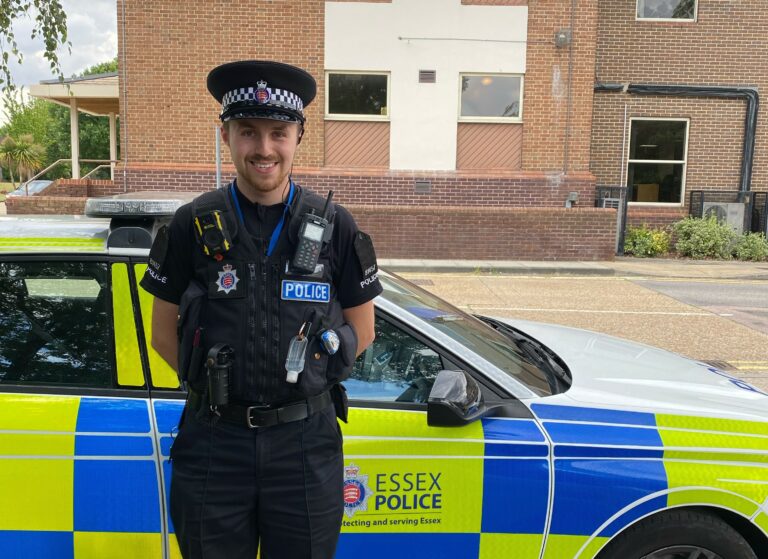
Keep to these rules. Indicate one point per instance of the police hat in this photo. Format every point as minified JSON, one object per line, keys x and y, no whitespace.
{"x":261,"y":89}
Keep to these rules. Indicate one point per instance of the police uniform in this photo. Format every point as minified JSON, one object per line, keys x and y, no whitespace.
{"x":264,"y":468}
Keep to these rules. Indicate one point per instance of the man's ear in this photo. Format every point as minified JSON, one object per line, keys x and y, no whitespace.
{"x":301,"y":134}
{"x":224,"y":131}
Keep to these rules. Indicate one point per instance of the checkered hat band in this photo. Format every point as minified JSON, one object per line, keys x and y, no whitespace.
{"x":278,"y":98}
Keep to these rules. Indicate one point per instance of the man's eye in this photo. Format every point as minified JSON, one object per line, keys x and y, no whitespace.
{"x":247,"y":133}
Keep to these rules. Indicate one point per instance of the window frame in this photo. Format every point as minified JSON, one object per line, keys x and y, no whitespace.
{"x":115,"y":390}
{"x":684,"y":162}
{"x":668,"y":19}
{"x":492,"y":119}
{"x":357,"y":117}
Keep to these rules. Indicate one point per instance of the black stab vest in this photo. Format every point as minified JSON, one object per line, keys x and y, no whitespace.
{"x":242,"y":306}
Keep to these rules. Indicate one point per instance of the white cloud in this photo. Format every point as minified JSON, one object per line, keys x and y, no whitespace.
{"x":92,"y":30}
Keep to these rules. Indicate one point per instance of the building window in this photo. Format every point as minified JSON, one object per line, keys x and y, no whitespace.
{"x":491,"y":97}
{"x":667,"y":9}
{"x":357,"y":95}
{"x":657,"y":154}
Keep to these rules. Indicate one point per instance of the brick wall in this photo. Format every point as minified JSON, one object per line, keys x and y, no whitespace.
{"x":62,"y":205}
{"x":715,"y":137}
{"x":489,"y":233}
{"x":167,"y":50}
{"x":397,"y":188}
{"x":546,"y":92}
{"x":725,"y":46}
{"x":661,"y":218}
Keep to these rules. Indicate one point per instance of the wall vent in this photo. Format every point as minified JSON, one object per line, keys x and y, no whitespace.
{"x":423,"y":186}
{"x":427,"y":76}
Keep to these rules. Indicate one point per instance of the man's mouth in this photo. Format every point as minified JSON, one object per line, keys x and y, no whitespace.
{"x":263,"y":165}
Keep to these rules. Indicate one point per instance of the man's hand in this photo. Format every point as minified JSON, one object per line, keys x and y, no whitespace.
{"x":164,"y":318}
{"x":361,"y":318}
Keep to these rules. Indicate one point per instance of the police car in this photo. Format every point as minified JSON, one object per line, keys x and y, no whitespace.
{"x":468,"y":436}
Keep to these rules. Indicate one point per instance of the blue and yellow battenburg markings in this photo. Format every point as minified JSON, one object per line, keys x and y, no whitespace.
{"x":417,"y":491}
{"x":650,"y":462}
{"x":78,"y":478}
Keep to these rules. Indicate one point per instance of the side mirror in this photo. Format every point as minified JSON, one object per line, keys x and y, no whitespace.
{"x":455,"y":400}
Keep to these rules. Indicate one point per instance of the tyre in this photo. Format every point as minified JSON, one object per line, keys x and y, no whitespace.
{"x":683,"y":534}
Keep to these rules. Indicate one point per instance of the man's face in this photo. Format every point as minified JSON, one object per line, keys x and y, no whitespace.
{"x":262,"y":151}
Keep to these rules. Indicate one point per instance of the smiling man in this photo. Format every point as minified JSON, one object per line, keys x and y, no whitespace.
{"x":263,"y":299}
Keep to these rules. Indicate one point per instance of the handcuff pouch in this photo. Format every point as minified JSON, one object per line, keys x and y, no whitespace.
{"x":340,"y":401}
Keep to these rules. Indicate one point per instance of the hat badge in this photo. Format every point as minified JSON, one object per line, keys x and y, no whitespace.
{"x":263,"y":94}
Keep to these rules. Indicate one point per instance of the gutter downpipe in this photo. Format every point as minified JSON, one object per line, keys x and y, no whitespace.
{"x":749,"y":94}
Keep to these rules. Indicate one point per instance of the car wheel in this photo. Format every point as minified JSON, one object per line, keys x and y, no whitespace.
{"x":684,"y":534}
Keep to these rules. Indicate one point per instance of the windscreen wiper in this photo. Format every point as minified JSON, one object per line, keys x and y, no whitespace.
{"x":537,"y":352}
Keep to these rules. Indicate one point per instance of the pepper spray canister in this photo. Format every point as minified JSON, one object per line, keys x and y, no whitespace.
{"x":219,"y":363}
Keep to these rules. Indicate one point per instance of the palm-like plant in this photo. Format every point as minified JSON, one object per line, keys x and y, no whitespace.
{"x":28,"y":155}
{"x":23,"y":154}
{"x":7,"y":147}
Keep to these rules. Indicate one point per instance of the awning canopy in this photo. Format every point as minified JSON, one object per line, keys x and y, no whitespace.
{"x":97,"y":95}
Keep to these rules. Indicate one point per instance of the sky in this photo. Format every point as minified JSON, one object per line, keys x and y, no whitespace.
{"x":92,"y":30}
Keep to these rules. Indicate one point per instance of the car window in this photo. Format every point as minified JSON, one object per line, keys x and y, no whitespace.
{"x":56,"y":324}
{"x":396,"y":367}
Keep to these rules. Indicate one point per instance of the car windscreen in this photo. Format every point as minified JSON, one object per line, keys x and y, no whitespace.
{"x":476,"y":336}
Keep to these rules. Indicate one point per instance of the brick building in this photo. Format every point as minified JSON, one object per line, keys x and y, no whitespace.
{"x":699,"y":141}
{"x":473,"y":130}
{"x":474,"y":124}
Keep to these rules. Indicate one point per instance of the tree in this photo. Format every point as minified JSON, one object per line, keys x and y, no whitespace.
{"x":50,"y":26}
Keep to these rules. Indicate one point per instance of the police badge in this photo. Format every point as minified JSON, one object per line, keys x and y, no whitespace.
{"x":356,"y":490}
{"x":263,"y":93}
{"x":227,"y":279}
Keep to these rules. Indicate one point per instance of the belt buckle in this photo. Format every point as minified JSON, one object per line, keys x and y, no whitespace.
{"x":249,"y":414}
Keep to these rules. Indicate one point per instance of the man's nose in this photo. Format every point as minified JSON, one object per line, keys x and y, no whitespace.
{"x":262,"y":144}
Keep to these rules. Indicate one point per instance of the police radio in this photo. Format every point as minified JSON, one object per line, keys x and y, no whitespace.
{"x":311,"y":234}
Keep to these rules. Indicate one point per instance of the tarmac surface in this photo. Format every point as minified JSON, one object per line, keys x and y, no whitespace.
{"x":622,"y":298}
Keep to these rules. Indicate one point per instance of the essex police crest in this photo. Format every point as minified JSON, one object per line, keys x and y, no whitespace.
{"x":263,"y":94}
{"x":227,"y":279}
{"x":356,"y":490}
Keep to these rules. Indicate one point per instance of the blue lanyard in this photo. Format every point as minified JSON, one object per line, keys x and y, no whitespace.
{"x":278,"y":229}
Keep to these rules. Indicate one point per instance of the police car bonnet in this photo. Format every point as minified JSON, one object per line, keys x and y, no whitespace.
{"x":261,"y":89}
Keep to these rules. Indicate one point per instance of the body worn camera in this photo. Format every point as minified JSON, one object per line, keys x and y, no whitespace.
{"x":212,"y":233}
{"x":312,"y":234}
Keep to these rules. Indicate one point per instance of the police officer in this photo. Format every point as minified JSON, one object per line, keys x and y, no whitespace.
{"x":263,"y":299}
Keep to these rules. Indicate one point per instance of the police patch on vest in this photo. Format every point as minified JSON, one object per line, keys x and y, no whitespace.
{"x":226,"y":280}
{"x":309,"y":291}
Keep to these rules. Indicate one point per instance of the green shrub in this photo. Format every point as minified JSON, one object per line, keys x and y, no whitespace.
{"x":642,"y":241}
{"x":704,"y":238}
{"x":751,"y":246}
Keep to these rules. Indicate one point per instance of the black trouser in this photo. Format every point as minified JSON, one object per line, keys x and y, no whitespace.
{"x":235,"y":489}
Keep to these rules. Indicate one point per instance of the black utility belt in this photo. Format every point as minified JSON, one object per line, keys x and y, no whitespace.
{"x":262,"y":415}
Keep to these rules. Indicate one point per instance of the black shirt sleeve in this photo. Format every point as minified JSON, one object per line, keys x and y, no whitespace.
{"x":356,"y":273}
{"x":171,"y":265}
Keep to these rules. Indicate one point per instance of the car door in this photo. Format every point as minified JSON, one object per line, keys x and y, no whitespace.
{"x":78,"y":463}
{"x":413,"y":490}
{"x":167,"y":402}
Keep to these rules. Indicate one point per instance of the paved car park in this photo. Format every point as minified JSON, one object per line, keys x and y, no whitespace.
{"x":631,"y":298}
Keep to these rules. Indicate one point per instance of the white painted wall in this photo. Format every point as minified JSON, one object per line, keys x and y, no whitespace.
{"x":390,"y":37}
